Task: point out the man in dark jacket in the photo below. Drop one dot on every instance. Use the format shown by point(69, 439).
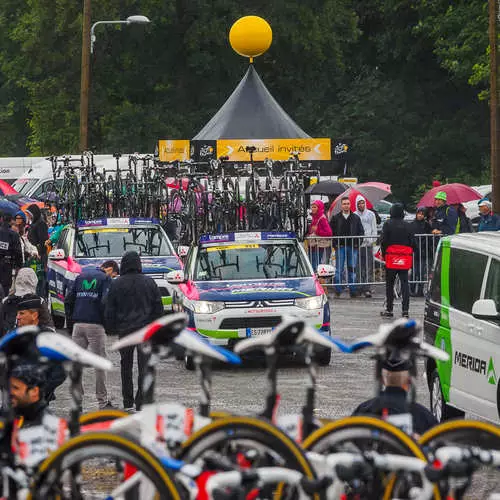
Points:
point(133, 301)
point(397, 244)
point(38, 234)
point(345, 224)
point(394, 399)
point(445, 218)
point(84, 308)
point(11, 256)
point(31, 312)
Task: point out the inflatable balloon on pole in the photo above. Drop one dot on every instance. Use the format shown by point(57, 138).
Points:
point(250, 36)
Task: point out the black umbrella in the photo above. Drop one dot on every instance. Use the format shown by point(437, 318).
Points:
point(327, 188)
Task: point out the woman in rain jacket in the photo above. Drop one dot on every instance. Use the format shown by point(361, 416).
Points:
point(319, 227)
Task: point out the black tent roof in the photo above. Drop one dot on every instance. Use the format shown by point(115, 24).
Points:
point(251, 112)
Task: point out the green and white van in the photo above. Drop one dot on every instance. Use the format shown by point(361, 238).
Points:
point(462, 317)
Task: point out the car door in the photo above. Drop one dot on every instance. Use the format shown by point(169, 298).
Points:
point(487, 333)
point(56, 274)
point(466, 278)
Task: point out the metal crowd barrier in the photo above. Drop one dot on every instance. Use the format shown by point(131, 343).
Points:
point(358, 261)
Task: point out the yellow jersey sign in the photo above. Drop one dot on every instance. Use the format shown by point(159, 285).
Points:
point(172, 150)
point(275, 149)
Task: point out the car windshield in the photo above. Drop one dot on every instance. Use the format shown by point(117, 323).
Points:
point(251, 261)
point(115, 241)
point(23, 186)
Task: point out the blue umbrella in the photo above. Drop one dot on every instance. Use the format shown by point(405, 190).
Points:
point(8, 207)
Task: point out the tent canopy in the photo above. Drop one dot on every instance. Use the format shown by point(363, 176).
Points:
point(251, 112)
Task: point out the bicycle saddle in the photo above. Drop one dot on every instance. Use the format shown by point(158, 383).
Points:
point(19, 341)
point(195, 344)
point(160, 332)
point(402, 334)
point(290, 332)
point(57, 347)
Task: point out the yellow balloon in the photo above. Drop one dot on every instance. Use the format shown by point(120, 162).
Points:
point(250, 36)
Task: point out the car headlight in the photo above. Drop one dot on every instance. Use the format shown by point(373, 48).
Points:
point(311, 302)
point(203, 306)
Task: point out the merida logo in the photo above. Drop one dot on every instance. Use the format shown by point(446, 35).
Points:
point(92, 285)
point(492, 376)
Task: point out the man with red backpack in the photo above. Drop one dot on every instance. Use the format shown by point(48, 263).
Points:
point(397, 243)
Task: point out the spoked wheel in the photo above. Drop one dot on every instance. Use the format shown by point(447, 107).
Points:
point(466, 433)
point(102, 466)
point(362, 434)
point(253, 442)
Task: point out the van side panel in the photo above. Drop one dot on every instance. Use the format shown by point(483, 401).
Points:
point(443, 334)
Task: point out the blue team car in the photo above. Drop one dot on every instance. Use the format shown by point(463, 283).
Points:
point(238, 285)
point(91, 242)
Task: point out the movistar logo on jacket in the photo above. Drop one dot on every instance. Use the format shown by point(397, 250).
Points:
point(89, 285)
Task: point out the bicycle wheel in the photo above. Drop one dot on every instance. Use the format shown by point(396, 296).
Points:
point(98, 416)
point(359, 434)
point(102, 465)
point(251, 440)
point(467, 433)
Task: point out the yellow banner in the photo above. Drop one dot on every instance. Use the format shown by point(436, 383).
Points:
point(169, 150)
point(275, 149)
point(232, 247)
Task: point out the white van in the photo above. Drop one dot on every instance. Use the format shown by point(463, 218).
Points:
point(11, 168)
point(38, 180)
point(462, 317)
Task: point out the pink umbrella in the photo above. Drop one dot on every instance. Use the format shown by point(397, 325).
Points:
point(351, 193)
point(374, 191)
point(455, 193)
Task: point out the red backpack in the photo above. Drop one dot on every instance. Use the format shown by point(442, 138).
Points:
point(399, 257)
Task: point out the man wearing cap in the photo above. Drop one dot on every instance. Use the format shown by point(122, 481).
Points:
point(11, 257)
point(394, 398)
point(445, 217)
point(30, 312)
point(488, 221)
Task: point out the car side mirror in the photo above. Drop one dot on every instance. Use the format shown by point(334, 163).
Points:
point(325, 271)
point(182, 250)
point(485, 309)
point(57, 254)
point(176, 277)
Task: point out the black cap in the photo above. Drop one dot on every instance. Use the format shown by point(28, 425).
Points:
point(395, 363)
point(29, 301)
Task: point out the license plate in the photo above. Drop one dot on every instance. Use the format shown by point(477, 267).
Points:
point(255, 332)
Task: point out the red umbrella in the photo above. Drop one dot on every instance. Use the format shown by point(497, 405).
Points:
point(6, 188)
point(351, 193)
point(455, 193)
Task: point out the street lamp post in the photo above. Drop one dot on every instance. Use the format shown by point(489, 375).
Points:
point(88, 41)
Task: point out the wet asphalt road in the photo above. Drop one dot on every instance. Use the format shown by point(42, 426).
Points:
point(341, 386)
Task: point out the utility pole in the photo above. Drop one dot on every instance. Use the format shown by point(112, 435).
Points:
point(494, 122)
point(85, 77)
